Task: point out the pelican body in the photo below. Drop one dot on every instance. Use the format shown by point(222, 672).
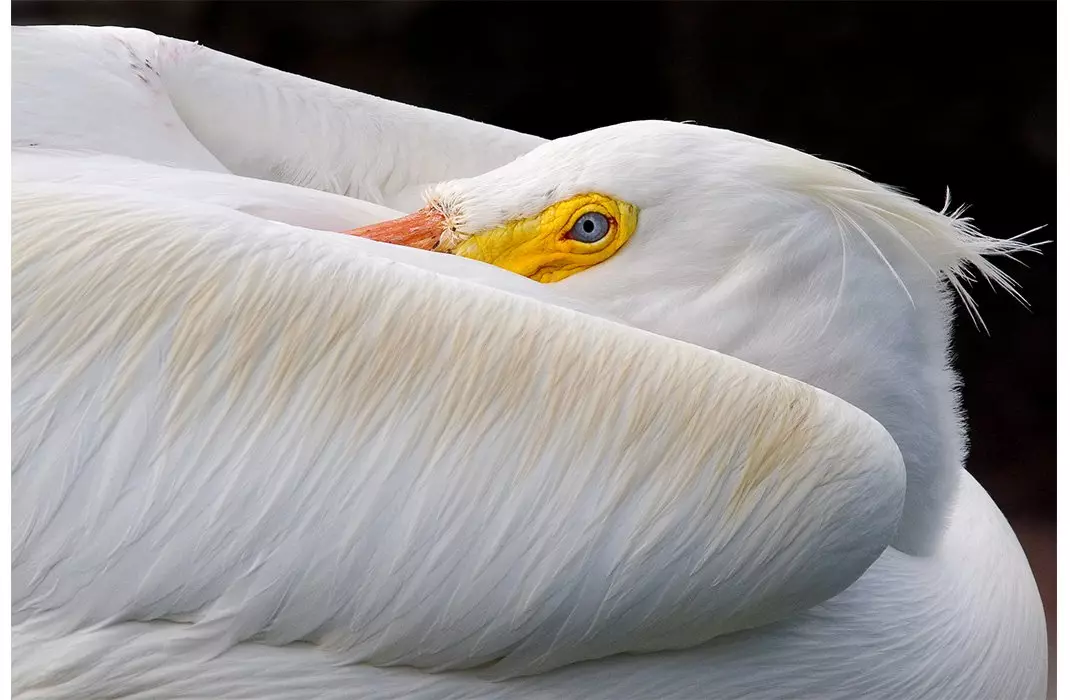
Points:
point(654, 411)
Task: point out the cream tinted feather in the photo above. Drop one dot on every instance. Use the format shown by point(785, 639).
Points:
point(907, 628)
point(308, 443)
point(746, 259)
point(779, 258)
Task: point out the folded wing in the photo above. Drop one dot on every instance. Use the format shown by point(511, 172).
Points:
point(132, 93)
point(279, 435)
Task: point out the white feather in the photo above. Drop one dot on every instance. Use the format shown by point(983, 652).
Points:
point(312, 444)
point(132, 93)
point(248, 454)
point(778, 258)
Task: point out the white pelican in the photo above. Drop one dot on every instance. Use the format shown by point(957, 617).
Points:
point(705, 444)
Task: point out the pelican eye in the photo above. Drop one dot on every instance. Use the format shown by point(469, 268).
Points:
point(564, 238)
point(590, 228)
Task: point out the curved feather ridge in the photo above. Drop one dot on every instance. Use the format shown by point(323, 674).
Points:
point(312, 444)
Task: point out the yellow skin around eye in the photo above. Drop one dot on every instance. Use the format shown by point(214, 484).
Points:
point(540, 247)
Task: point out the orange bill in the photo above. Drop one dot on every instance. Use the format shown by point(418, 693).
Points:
point(419, 230)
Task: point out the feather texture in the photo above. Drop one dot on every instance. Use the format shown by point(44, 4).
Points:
point(186, 105)
point(488, 479)
point(251, 459)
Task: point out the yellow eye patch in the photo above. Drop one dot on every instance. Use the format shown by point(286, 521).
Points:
point(563, 239)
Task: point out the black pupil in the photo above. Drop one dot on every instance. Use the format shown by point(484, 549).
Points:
point(588, 226)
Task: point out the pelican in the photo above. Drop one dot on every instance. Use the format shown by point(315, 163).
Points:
point(317, 395)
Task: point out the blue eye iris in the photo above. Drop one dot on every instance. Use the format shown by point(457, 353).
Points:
point(590, 228)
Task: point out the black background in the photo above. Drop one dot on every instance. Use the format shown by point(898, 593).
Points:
point(918, 95)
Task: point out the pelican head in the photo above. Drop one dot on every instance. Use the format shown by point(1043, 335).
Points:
point(746, 247)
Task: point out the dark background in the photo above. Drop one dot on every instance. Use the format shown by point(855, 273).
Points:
point(918, 95)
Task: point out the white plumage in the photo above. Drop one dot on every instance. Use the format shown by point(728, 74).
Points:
point(246, 448)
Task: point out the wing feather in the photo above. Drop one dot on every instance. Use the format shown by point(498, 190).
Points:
point(279, 434)
point(129, 92)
